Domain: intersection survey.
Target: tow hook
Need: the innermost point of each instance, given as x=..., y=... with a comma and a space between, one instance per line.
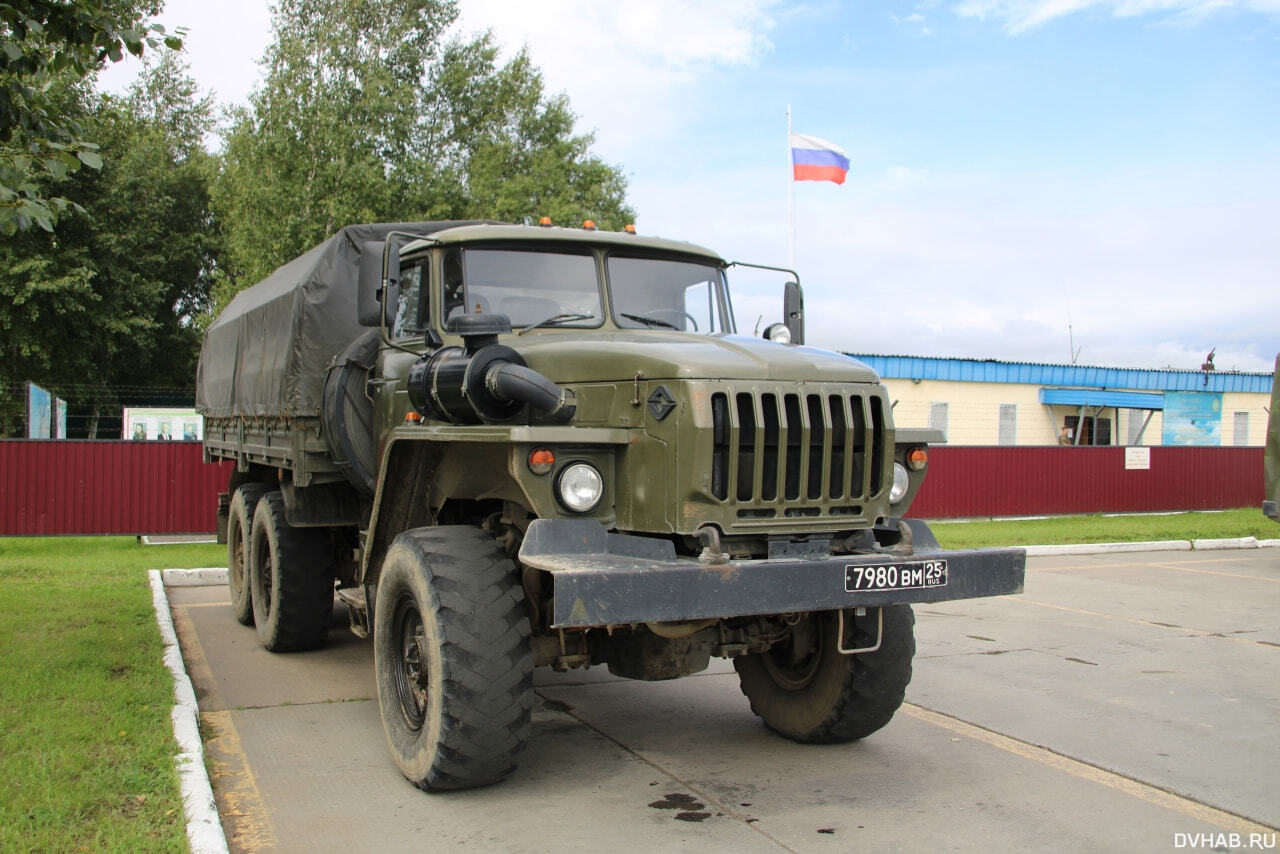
x=711, y=553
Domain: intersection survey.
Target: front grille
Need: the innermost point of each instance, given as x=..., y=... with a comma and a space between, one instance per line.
x=772, y=447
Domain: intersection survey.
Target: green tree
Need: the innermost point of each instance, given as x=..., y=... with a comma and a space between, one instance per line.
x=48, y=49
x=371, y=111
x=105, y=304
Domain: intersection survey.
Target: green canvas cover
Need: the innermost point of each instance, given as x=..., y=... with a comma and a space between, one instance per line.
x=267, y=352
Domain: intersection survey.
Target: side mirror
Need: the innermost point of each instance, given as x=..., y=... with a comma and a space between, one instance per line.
x=373, y=306
x=793, y=311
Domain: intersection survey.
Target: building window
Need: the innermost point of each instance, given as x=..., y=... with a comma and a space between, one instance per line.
x=1241, y=434
x=938, y=416
x=1137, y=419
x=1091, y=430
x=1008, y=424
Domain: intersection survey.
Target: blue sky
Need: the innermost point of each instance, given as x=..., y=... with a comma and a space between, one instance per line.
x=1018, y=166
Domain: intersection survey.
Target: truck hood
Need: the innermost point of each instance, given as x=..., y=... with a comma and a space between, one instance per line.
x=611, y=356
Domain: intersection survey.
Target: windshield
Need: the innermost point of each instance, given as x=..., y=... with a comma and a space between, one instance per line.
x=528, y=286
x=535, y=287
x=659, y=293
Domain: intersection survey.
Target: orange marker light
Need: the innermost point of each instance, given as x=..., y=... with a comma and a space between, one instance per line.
x=629, y=228
x=589, y=224
x=545, y=222
x=541, y=460
x=917, y=458
x=412, y=417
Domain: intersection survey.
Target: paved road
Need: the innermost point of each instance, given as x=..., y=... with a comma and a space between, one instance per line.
x=1124, y=703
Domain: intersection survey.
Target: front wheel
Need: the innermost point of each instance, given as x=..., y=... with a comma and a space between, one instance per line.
x=805, y=689
x=452, y=656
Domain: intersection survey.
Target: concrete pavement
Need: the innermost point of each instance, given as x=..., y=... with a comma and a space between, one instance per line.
x=1126, y=702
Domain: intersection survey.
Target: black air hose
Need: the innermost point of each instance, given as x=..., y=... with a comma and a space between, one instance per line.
x=509, y=381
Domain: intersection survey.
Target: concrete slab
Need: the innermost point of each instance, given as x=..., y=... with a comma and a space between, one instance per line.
x=1122, y=700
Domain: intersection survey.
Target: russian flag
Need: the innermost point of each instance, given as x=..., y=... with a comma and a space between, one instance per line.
x=814, y=159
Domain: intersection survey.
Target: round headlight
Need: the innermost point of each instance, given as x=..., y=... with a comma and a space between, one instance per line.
x=778, y=333
x=901, y=480
x=579, y=487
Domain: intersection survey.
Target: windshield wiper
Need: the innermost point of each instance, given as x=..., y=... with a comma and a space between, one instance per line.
x=649, y=321
x=555, y=319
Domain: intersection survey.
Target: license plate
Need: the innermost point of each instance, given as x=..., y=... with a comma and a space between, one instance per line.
x=909, y=575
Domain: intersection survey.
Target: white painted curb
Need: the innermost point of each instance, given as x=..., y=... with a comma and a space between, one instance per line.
x=1105, y=548
x=210, y=577
x=204, y=829
x=1233, y=543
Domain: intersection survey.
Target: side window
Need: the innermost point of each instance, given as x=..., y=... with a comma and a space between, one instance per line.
x=412, y=312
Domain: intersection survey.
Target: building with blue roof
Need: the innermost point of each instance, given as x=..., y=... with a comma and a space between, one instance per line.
x=989, y=402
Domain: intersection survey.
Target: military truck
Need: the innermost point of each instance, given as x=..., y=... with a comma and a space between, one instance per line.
x=510, y=446
x=1271, y=459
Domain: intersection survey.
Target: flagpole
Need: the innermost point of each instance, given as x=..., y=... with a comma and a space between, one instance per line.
x=791, y=201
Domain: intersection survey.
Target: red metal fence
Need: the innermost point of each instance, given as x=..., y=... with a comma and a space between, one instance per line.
x=1033, y=481
x=91, y=487
x=86, y=487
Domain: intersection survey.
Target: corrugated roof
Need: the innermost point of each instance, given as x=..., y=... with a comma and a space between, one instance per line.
x=1086, y=376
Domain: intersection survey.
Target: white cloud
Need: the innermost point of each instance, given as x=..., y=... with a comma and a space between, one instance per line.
x=222, y=46
x=1019, y=16
x=628, y=68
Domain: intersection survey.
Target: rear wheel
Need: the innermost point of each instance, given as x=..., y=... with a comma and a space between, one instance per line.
x=239, y=523
x=291, y=573
x=805, y=689
x=452, y=656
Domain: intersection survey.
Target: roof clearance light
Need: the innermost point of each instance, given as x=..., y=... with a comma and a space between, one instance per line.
x=545, y=222
x=541, y=460
x=918, y=458
x=629, y=228
x=589, y=224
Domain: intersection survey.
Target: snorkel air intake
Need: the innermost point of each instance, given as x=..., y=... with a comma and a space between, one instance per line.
x=485, y=380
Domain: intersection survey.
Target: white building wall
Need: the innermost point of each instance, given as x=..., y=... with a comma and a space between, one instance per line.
x=973, y=410
x=1256, y=406
x=973, y=413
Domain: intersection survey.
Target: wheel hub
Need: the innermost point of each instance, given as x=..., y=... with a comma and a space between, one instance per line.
x=413, y=675
x=793, y=663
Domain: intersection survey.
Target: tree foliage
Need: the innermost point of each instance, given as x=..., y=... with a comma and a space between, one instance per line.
x=48, y=48
x=106, y=302
x=372, y=111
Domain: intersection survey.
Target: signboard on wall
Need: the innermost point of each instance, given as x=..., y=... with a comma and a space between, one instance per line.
x=1137, y=458
x=39, y=412
x=151, y=424
x=1192, y=418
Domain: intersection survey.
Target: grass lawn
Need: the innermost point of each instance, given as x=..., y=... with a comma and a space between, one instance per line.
x=1058, y=530
x=86, y=746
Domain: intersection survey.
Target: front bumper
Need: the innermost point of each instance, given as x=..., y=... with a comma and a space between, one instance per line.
x=602, y=579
